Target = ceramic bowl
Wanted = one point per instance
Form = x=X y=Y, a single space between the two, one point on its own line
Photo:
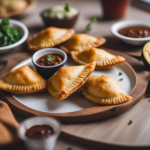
x=133 y=41
x=47 y=143
x=48 y=71
x=60 y=23
x=24 y=32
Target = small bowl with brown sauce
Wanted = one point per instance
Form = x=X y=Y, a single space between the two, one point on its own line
x=48 y=60
x=39 y=132
x=131 y=31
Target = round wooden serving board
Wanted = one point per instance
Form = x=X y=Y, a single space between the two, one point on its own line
x=88 y=114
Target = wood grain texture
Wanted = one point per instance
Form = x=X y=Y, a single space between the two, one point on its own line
x=85 y=115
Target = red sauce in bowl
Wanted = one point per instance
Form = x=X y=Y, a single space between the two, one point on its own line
x=39 y=131
x=50 y=60
x=135 y=32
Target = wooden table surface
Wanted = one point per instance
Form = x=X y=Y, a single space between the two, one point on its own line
x=87 y=9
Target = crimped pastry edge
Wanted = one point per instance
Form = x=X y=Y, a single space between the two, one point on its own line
x=99 y=64
x=68 y=35
x=100 y=41
x=40 y=87
x=83 y=76
x=115 y=100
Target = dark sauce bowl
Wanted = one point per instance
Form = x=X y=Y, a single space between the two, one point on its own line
x=60 y=23
x=47 y=71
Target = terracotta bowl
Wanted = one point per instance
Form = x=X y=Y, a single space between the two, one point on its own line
x=60 y=23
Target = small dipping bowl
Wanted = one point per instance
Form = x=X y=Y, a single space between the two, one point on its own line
x=129 y=40
x=47 y=143
x=60 y=23
x=48 y=71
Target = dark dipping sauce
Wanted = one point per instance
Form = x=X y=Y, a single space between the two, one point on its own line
x=135 y=32
x=39 y=131
x=50 y=60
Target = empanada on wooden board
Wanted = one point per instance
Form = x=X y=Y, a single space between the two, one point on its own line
x=23 y=80
x=49 y=37
x=103 y=58
x=104 y=90
x=80 y=42
x=68 y=79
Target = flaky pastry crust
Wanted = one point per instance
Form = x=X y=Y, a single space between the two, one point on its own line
x=68 y=79
x=23 y=80
x=80 y=42
x=49 y=37
x=104 y=90
x=103 y=59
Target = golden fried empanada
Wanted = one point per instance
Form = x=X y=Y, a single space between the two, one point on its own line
x=68 y=79
x=103 y=59
x=49 y=37
x=104 y=90
x=80 y=42
x=23 y=80
x=11 y=6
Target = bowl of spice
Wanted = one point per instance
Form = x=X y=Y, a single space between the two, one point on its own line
x=60 y=16
x=12 y=34
x=39 y=133
x=132 y=31
x=48 y=60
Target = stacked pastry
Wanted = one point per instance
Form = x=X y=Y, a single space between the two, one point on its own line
x=100 y=89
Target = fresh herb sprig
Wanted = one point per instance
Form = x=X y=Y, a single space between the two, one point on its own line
x=120 y=73
x=8 y=34
x=67 y=7
x=121 y=79
x=49 y=58
x=88 y=27
x=130 y=122
x=69 y=148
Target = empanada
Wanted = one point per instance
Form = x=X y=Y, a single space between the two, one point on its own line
x=104 y=90
x=103 y=59
x=80 y=42
x=49 y=37
x=23 y=80
x=68 y=79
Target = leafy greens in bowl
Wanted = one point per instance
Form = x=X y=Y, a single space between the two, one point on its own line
x=12 y=34
x=8 y=34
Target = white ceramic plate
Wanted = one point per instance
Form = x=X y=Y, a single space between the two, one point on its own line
x=44 y=102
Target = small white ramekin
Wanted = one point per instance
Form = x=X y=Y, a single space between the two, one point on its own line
x=44 y=143
x=133 y=41
x=24 y=32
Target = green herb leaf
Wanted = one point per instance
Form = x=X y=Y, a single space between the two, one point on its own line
x=130 y=122
x=69 y=148
x=49 y=58
x=50 y=11
x=120 y=73
x=67 y=8
x=121 y=79
x=5 y=22
x=93 y=19
x=1 y=34
x=89 y=26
